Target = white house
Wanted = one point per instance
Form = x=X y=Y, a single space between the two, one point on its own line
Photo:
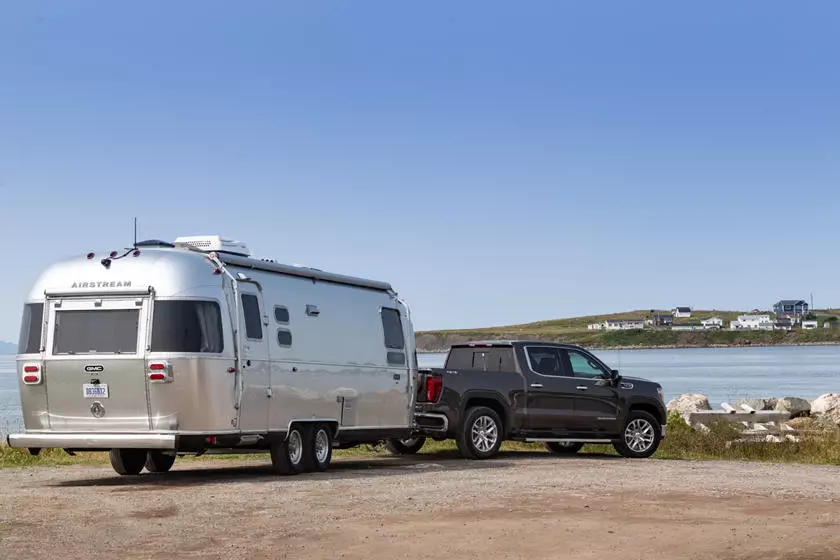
x=595 y=326
x=752 y=322
x=809 y=325
x=712 y=323
x=627 y=325
x=681 y=311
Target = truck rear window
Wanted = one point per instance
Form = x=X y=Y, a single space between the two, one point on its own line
x=187 y=326
x=112 y=331
x=483 y=359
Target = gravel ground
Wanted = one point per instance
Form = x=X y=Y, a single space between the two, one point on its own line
x=516 y=506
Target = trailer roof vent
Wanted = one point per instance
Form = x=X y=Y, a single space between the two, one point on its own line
x=208 y=243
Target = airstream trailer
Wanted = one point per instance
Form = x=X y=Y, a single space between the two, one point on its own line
x=191 y=347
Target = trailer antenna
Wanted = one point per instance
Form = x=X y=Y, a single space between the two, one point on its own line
x=135 y=232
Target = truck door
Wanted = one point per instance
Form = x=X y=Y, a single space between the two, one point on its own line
x=254 y=359
x=551 y=393
x=597 y=409
x=94 y=363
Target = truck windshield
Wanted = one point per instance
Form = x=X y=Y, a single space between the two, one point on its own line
x=112 y=331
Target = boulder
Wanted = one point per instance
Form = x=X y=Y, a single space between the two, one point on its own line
x=757 y=404
x=826 y=408
x=803 y=423
x=688 y=403
x=794 y=405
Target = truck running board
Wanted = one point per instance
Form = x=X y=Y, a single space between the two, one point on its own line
x=566 y=440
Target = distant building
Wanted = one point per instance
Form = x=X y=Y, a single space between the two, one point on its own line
x=624 y=325
x=791 y=308
x=808 y=325
x=595 y=326
x=785 y=324
x=681 y=312
x=712 y=323
x=752 y=322
x=662 y=320
x=831 y=324
x=688 y=327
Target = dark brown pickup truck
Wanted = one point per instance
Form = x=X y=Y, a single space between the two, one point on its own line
x=557 y=394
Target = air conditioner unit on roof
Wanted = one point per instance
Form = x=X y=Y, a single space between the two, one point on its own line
x=207 y=243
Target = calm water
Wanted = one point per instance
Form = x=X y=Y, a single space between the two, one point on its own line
x=722 y=374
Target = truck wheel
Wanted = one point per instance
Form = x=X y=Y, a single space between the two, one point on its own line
x=567 y=448
x=158 y=462
x=127 y=461
x=640 y=437
x=481 y=434
x=317 y=447
x=407 y=446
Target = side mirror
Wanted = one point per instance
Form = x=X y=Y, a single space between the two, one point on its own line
x=614 y=374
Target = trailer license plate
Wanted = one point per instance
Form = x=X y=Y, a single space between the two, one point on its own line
x=95 y=391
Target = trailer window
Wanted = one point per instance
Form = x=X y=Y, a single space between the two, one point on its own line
x=393 y=329
x=112 y=331
x=30 y=328
x=251 y=309
x=396 y=358
x=281 y=314
x=284 y=337
x=187 y=326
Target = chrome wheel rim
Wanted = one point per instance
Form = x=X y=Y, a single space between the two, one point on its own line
x=409 y=442
x=639 y=435
x=295 y=445
x=484 y=433
x=322 y=446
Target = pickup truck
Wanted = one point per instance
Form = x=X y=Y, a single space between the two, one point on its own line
x=557 y=394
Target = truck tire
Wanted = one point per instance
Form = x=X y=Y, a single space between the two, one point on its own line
x=157 y=462
x=569 y=448
x=127 y=461
x=480 y=435
x=408 y=446
x=317 y=447
x=640 y=436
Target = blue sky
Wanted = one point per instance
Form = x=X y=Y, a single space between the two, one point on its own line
x=498 y=162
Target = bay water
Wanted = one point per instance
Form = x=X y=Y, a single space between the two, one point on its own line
x=722 y=374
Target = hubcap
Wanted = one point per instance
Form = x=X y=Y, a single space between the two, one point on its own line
x=484 y=433
x=409 y=442
x=639 y=435
x=295 y=445
x=322 y=445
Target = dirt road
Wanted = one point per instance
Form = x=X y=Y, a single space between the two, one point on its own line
x=518 y=506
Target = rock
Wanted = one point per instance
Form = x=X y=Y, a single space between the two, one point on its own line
x=826 y=408
x=794 y=405
x=688 y=403
x=757 y=404
x=803 y=423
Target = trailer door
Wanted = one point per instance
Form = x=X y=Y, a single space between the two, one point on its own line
x=94 y=364
x=254 y=359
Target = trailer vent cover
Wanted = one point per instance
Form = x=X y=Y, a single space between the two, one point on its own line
x=208 y=243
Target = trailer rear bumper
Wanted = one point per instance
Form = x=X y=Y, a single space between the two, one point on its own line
x=92 y=441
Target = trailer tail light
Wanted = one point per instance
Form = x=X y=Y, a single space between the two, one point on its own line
x=159 y=372
x=31 y=374
x=434 y=386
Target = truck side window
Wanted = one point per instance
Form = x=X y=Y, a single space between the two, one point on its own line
x=251 y=309
x=545 y=361
x=583 y=366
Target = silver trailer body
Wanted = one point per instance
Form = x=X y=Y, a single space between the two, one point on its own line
x=163 y=347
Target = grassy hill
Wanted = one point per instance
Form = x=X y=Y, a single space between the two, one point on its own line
x=573 y=330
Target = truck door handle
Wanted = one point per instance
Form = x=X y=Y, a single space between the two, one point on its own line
x=582 y=387
x=536 y=385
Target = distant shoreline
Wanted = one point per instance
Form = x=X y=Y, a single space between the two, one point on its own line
x=680 y=346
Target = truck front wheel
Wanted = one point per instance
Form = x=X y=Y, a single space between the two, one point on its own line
x=640 y=437
x=480 y=435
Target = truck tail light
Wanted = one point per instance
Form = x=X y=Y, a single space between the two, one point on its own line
x=434 y=386
x=32 y=374
x=159 y=372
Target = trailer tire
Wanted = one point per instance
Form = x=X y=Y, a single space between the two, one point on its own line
x=157 y=462
x=408 y=446
x=480 y=436
x=317 y=448
x=287 y=456
x=127 y=461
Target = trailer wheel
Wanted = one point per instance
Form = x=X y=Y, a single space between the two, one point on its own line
x=157 y=462
x=317 y=449
x=407 y=446
x=287 y=456
x=127 y=461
